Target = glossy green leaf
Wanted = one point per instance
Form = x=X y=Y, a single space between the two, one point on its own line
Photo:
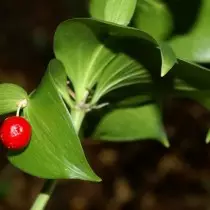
x=115 y=11
x=153 y=17
x=168 y=58
x=59 y=76
x=89 y=52
x=60 y=79
x=127 y=72
x=55 y=151
x=10 y=96
x=129 y=124
x=194 y=45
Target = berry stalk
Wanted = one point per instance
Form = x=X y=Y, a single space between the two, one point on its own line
x=44 y=195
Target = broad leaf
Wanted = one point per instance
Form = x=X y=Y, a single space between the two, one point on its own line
x=90 y=51
x=153 y=17
x=194 y=45
x=192 y=75
x=115 y=11
x=192 y=81
x=129 y=124
x=60 y=79
x=54 y=151
x=187 y=26
x=130 y=72
x=10 y=96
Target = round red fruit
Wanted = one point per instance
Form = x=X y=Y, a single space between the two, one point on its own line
x=15 y=132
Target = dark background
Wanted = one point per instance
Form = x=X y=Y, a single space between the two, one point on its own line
x=139 y=175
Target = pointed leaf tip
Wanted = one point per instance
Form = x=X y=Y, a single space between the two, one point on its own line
x=54 y=151
x=131 y=124
x=168 y=58
x=165 y=143
x=208 y=137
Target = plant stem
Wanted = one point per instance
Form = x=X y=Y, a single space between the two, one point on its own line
x=49 y=185
x=77 y=118
x=44 y=195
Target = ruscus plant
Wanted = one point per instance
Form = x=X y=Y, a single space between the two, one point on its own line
x=121 y=61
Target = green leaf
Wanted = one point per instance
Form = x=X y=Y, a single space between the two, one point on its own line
x=55 y=151
x=192 y=81
x=168 y=58
x=135 y=101
x=59 y=76
x=192 y=75
x=90 y=52
x=60 y=79
x=153 y=17
x=200 y=96
x=194 y=45
x=10 y=96
x=122 y=71
x=115 y=11
x=129 y=124
x=189 y=41
x=208 y=137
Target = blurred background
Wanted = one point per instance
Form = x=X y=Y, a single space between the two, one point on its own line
x=136 y=176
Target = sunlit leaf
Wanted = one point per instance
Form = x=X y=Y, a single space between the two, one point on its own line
x=90 y=52
x=194 y=45
x=153 y=17
x=54 y=151
x=185 y=28
x=10 y=96
x=130 y=72
x=115 y=11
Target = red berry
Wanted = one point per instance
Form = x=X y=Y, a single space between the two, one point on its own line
x=15 y=132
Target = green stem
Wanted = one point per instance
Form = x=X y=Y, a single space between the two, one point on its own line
x=44 y=195
x=49 y=185
x=77 y=118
